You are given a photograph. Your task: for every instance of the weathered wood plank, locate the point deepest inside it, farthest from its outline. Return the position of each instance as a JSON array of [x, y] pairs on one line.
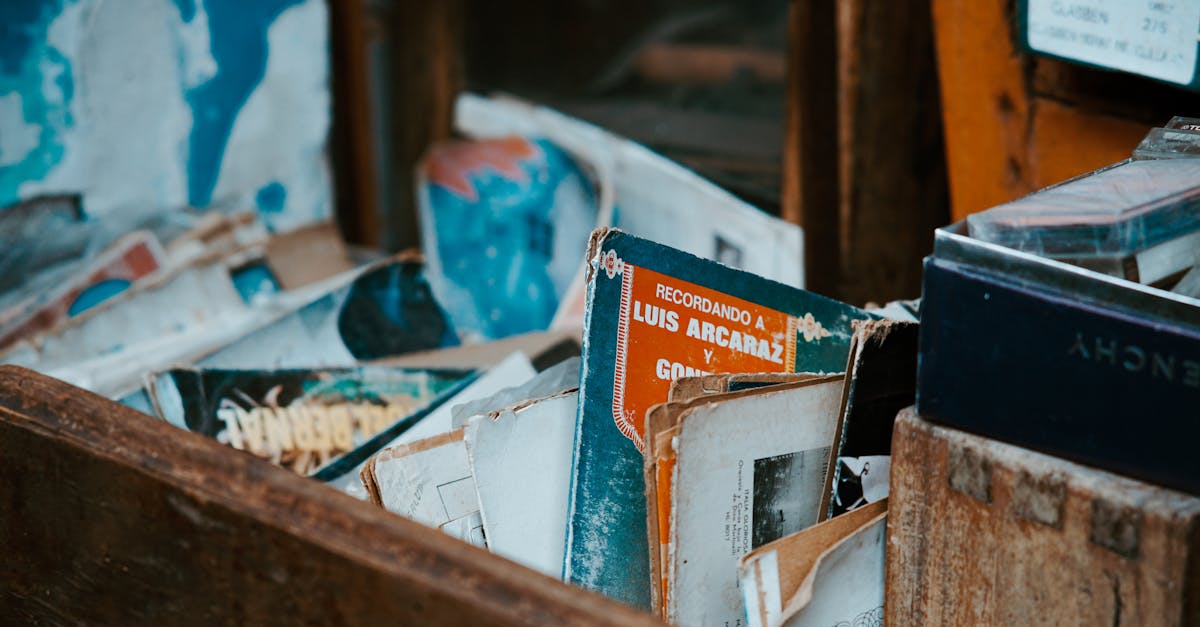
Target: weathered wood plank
[[110, 516], [983, 532], [351, 137], [864, 165], [425, 70], [810, 165], [985, 104], [892, 172]]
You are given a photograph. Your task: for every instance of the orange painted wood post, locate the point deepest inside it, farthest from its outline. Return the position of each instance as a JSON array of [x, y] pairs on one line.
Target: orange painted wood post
[[1016, 122]]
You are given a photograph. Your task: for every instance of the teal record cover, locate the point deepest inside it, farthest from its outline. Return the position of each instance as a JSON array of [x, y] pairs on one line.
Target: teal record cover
[[653, 314]]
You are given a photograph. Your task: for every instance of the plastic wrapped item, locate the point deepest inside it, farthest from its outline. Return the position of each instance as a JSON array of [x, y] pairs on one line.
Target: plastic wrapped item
[[1157, 265], [1166, 143], [1112, 212], [1182, 123]]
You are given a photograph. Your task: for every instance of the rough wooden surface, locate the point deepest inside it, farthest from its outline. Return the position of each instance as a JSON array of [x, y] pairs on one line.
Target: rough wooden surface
[[424, 78], [892, 172], [810, 164], [864, 166], [353, 138], [985, 533], [108, 516], [397, 69]]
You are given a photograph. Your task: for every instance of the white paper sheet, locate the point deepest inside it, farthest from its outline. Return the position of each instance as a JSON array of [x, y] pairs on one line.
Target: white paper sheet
[[522, 464], [748, 471], [513, 371], [848, 583], [430, 481]]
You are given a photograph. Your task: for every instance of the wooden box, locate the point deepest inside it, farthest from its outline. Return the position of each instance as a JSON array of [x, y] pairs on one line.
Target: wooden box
[[981, 532], [108, 516]]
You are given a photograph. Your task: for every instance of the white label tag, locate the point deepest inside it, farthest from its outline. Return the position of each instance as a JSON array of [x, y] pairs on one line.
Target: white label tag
[[1155, 38]]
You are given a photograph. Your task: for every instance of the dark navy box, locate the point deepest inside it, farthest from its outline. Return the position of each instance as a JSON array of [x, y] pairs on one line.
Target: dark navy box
[[1061, 359]]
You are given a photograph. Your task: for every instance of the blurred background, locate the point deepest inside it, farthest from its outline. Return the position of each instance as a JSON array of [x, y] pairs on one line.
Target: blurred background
[[867, 124]]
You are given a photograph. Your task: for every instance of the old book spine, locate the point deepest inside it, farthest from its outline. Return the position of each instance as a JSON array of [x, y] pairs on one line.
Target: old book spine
[[981, 532], [1058, 374]]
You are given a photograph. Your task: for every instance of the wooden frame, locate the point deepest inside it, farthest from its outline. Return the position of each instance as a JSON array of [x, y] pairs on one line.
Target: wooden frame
[[1017, 122], [383, 124], [111, 516], [864, 171]]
